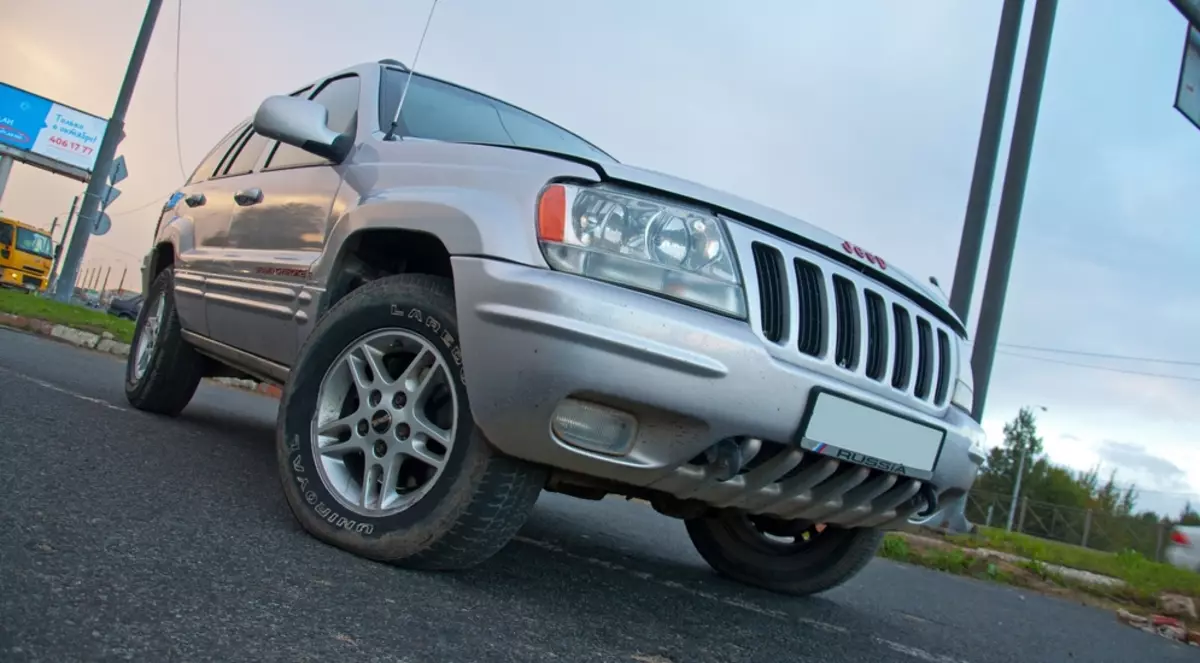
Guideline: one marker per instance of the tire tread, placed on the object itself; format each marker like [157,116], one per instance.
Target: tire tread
[175,370]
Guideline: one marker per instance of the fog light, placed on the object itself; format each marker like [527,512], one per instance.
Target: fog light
[594,427]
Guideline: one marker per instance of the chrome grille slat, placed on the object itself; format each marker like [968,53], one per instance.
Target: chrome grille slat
[812,309]
[772,292]
[849,327]
[846,323]
[914,331]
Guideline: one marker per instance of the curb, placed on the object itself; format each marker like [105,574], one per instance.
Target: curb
[106,343]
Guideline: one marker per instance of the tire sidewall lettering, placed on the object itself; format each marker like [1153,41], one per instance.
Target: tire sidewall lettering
[299,461]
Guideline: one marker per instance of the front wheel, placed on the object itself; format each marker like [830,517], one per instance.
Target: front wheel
[377,449]
[789,557]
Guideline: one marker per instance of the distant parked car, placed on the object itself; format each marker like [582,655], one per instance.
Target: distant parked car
[126,307]
[1183,549]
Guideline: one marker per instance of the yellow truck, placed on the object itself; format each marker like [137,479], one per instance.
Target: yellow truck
[26,253]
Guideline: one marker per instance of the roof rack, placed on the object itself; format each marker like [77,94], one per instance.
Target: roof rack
[393,63]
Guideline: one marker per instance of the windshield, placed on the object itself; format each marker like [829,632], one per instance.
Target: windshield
[440,111]
[34,242]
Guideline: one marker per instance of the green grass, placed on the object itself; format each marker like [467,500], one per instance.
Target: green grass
[1144,580]
[1141,574]
[40,308]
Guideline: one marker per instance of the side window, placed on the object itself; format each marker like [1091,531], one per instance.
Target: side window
[6,235]
[247,154]
[340,97]
[214,158]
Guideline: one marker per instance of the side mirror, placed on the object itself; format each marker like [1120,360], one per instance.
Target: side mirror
[57,251]
[301,123]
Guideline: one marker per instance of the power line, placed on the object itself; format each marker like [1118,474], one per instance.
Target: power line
[158,200]
[178,49]
[1101,355]
[1165,376]
[115,249]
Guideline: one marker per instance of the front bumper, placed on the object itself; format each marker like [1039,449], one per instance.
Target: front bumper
[532,337]
[12,278]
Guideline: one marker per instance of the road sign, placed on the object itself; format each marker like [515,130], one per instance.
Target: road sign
[1187,91]
[111,193]
[103,224]
[118,172]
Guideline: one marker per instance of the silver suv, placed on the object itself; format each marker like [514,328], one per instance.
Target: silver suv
[470,304]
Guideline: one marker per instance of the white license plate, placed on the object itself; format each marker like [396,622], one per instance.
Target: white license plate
[868,436]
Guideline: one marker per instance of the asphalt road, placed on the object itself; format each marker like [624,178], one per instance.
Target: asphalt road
[125,536]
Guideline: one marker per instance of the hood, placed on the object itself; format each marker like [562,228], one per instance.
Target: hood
[793,229]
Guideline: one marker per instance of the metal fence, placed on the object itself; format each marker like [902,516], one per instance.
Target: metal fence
[1081,527]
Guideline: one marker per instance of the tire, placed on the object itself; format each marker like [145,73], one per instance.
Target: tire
[727,541]
[468,512]
[175,368]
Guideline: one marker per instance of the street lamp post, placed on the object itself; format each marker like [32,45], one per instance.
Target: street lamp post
[1012,507]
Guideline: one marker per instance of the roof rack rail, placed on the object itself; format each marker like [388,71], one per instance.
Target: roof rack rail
[393,63]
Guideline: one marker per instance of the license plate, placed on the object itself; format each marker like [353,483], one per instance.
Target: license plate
[868,436]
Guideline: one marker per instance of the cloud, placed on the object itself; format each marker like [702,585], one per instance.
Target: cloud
[1133,462]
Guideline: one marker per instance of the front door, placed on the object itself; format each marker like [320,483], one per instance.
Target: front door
[282,213]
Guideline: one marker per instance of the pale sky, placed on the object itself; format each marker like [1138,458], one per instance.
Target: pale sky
[861,117]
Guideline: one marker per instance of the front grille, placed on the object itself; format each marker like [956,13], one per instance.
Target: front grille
[837,316]
[34,270]
[31,280]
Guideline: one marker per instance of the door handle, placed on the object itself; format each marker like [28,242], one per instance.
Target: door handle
[195,200]
[247,197]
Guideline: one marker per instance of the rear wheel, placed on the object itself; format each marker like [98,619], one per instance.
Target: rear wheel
[789,557]
[162,371]
[377,449]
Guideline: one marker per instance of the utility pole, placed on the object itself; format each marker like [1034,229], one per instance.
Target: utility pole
[53,225]
[121,284]
[6,164]
[1012,507]
[104,286]
[62,246]
[108,149]
[987,154]
[1012,197]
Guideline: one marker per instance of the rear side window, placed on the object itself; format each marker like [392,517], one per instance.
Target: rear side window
[340,97]
[247,155]
[6,234]
[211,162]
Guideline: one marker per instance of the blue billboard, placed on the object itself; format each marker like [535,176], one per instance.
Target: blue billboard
[48,134]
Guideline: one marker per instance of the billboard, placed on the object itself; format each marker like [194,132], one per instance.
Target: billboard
[47,134]
[1187,94]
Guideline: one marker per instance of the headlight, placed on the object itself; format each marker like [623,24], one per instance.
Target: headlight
[642,243]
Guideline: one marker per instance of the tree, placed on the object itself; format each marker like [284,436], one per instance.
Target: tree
[999,474]
[1188,517]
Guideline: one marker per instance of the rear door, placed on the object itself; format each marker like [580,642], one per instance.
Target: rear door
[201,219]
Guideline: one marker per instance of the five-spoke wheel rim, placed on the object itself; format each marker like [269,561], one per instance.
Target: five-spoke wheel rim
[147,338]
[385,422]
